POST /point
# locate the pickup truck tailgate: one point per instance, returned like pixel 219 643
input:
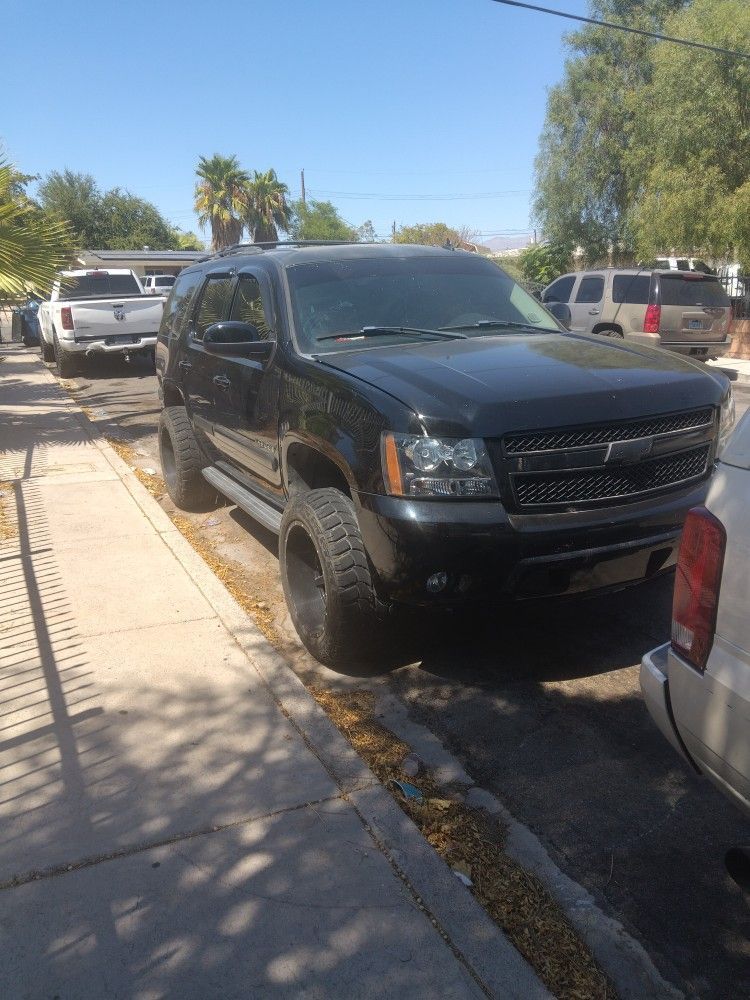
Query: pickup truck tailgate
pixel 116 317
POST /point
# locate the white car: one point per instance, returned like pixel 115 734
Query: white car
pixel 697 688
pixel 158 284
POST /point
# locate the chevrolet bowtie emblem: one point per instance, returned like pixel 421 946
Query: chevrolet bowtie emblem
pixel 628 452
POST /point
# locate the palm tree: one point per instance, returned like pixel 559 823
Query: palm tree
pixel 220 196
pixel 33 246
pixel 266 210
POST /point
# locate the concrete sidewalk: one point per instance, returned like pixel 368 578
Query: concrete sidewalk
pixel 177 815
pixel 738 369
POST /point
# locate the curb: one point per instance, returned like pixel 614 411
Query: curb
pixel 476 941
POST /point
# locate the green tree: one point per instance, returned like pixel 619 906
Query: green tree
pixel 33 247
pixel 188 241
pixel 689 155
pixel 221 198
pixel 584 190
pixel 318 220
pixel 366 232
pixel 543 262
pixel 435 234
pixel 129 223
pixel 266 208
pixel 74 197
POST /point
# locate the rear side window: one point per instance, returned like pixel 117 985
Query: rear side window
pixel 559 291
pixel 164 282
pixel 632 289
pixel 591 289
pixel 177 305
pixel 99 285
pixel 248 306
pixel 681 290
pixel 214 306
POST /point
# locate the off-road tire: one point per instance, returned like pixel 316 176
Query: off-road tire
pixel 610 332
pixel 343 629
pixel 67 363
pixel 182 461
pixel 48 351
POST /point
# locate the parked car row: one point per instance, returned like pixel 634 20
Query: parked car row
pixel 685 311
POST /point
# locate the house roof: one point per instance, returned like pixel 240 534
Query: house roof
pixel 179 256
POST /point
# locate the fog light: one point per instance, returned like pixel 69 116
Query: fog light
pixel 437 582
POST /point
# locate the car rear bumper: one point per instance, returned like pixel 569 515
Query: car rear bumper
pixel 488 554
pixel 699 348
pixel 655 691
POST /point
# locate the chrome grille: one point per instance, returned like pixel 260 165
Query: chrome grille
pixel 618 484
pixel 520 444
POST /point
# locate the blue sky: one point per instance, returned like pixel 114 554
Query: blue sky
pixel 400 110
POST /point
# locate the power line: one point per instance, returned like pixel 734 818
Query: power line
pixel 623 27
pixel 374 196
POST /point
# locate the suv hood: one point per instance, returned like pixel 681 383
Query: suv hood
pixel 490 385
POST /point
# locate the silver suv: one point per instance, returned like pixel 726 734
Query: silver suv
pixel 684 311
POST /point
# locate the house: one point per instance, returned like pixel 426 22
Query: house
pixel 143 262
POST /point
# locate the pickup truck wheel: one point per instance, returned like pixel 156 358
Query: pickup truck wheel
pixel 326 578
pixel 181 461
pixel 48 351
pixel 66 362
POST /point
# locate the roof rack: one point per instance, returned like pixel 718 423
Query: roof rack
pixel 273 245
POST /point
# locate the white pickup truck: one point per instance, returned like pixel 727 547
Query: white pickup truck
pixel 102 311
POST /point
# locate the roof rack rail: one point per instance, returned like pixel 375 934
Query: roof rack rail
pixel 273 245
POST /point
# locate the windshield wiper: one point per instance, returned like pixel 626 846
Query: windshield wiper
pixel 494 324
pixel 384 331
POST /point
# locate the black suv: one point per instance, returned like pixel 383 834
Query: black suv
pixel 416 428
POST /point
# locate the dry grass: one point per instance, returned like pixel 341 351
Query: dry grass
pixel 8 526
pixel 471 842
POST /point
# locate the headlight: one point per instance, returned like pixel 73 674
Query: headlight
pixel 415 466
pixel 726 421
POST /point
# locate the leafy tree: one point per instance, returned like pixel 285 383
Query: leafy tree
pixel 129 223
pixel 543 262
pixel 318 220
pixel 434 234
pixel 689 156
pixel 266 209
pixel 74 197
pixel 188 241
pixel 33 247
pixel 583 189
pixel 220 198
pixel 366 232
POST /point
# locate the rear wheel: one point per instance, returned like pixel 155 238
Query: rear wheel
pixel 610 332
pixel 67 365
pixel 326 578
pixel 181 461
pixel 48 351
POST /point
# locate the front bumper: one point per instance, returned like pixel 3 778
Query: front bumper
pixel 488 553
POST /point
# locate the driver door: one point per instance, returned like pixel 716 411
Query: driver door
pixel 246 390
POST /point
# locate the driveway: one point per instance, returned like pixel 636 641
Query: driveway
pixel 542 707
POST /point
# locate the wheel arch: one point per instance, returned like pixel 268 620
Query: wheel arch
pixel 598 327
pixel 308 467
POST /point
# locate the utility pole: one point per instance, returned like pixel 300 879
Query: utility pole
pixel 302 178
pixel 393 232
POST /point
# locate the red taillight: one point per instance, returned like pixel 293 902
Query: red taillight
pixel 696 588
pixel 66 317
pixel 652 320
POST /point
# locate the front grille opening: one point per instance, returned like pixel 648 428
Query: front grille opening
pixel 540 441
pixel 536 490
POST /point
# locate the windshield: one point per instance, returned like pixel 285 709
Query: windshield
pixel 426 293
pixel 102 285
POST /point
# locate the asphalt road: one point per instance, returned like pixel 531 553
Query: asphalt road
pixel 542 707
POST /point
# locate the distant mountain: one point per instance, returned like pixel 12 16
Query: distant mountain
pixel 507 242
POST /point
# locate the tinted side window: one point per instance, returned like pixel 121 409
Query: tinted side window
pixel 248 306
pixel 631 288
pixel 178 304
pixel 590 290
pixel 681 290
pixel 164 282
pixel 559 291
pixel 217 294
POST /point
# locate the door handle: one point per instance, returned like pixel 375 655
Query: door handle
pixel 185 365
pixel 593 312
pixel 222 381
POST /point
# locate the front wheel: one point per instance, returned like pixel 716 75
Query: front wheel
pixel 326 578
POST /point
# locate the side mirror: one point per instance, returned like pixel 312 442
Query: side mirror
pixel 233 338
pixel 561 312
